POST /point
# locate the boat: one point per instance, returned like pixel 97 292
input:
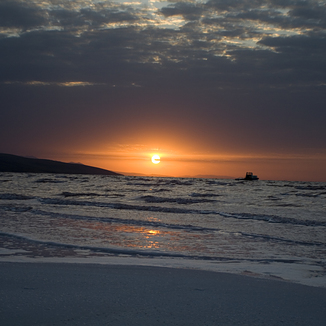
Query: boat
pixel 249 176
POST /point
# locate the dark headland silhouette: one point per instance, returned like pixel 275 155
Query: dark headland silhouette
pixel 14 163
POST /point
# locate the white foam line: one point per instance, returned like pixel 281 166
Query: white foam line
pixel 309 275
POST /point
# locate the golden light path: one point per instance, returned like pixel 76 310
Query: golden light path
pixel 155 159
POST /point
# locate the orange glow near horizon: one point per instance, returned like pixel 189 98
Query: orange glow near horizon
pixel 137 160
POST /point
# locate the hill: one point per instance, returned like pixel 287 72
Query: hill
pixel 14 163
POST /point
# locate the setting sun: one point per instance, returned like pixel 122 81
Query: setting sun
pixel 155 159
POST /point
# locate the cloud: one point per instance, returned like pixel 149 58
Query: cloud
pixel 21 15
pixel 90 18
pixel 233 49
pixel 65 84
pixel 189 11
pixel 220 73
pixel 226 5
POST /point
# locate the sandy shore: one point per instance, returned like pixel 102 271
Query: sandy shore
pixel 76 294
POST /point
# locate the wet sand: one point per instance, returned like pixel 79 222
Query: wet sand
pixel 77 294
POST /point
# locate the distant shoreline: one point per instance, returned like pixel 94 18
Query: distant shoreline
pixel 20 164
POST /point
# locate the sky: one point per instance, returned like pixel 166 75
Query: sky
pixel 217 87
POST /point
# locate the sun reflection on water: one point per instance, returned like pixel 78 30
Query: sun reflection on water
pixel 101 234
pixel 133 236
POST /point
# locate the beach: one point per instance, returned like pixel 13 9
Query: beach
pixel 93 294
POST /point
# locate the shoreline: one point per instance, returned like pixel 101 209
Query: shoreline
pixel 291 271
pixel 94 294
pixel 20 249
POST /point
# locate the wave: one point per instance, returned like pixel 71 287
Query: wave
pixel 136 253
pixel 307 195
pixel 88 194
pixel 53 201
pixel 184 227
pixel 195 194
pixel 146 223
pixel 161 190
pixel 302 186
pixel 183 201
pixel 310 187
pixel 15 208
pixel 80 194
pixel 48 180
pixel 176 210
pixel 273 219
pixel 15 197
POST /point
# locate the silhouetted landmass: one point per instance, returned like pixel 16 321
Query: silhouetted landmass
pixel 14 163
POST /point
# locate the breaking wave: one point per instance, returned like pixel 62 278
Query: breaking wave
pixel 242 216
pixel 183 201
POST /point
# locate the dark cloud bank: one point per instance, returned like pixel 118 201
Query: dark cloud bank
pixel 233 74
